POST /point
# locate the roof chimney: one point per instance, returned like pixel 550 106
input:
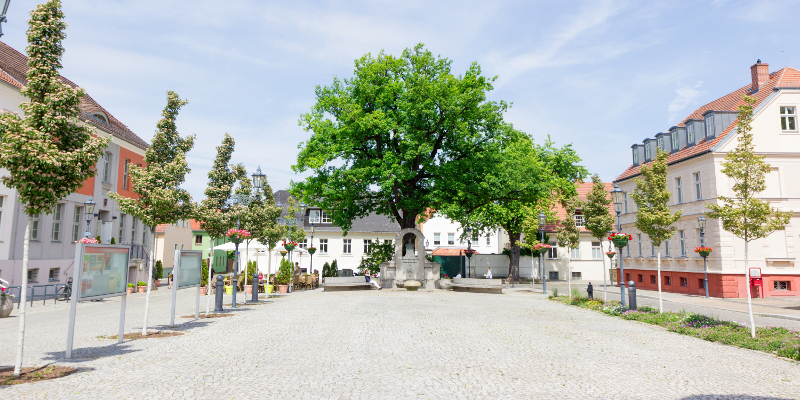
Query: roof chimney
pixel 760 74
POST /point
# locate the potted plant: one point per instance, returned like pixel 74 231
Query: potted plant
pixel 312 250
pixel 290 245
pixel 620 239
pixel 204 278
pixel 141 286
pixel 610 254
pixel 283 253
pixel 159 272
pixel 238 235
pixel 130 288
pixel 703 251
pixel 6 303
pixel 284 276
pixel 88 240
pixel 469 252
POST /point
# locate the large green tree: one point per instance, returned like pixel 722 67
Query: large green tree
pixel 569 233
pixel 599 220
pixel 398 137
pixel 745 215
pixel 161 199
pixel 654 216
pixel 48 153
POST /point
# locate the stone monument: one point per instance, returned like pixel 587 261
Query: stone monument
pixel 411 266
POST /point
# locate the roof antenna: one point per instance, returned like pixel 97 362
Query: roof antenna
pixel 3 16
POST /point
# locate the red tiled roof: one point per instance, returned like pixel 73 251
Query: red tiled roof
pixel 195 225
pixel 583 190
pixel 13 70
pixel 161 228
pixel 785 78
pixel 449 252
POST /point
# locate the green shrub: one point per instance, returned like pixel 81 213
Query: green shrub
pixel 140 283
pixel 555 292
pixel 575 292
pixel 284 272
pixel 204 274
pixel 130 285
pixel 113 241
pixel 159 270
pixel 593 304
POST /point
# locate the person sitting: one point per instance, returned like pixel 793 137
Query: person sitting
pixel 459 275
pixel 488 274
pixel 372 282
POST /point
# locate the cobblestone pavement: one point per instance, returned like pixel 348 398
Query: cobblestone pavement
pixel 388 345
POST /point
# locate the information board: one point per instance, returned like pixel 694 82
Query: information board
pixel 104 272
pixel 190 268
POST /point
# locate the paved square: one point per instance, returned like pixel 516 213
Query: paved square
pixel 392 344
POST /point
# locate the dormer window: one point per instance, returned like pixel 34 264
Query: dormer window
pixel 788 119
pixel 647 151
pixel 675 141
pixel 690 133
pixel 710 126
pixel 100 117
pixel 635 156
pixel 661 142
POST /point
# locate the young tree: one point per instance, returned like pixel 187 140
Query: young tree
pixel 569 233
pixel 398 138
pixel 379 252
pixel 212 211
pixel 259 216
pixel 48 153
pixel 653 216
pixel 744 215
pixel 599 220
pixel 273 232
pixel 161 199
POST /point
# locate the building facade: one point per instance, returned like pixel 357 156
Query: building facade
pixel 171 237
pixel 697 146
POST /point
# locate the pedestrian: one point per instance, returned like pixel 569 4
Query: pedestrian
pixel 170 281
pixel 590 291
pixel 488 274
pixel 372 282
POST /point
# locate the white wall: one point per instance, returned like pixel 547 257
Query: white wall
pixel 444 226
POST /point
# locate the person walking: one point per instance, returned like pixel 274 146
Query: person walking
pixel 590 291
pixel 488 274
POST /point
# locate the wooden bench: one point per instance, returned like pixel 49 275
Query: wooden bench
pixel 477 285
pixel 338 284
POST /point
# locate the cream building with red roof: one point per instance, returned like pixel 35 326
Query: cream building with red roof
pixel 697 146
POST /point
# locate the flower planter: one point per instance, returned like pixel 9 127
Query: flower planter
pixel 156 283
pixel 288 247
pixel 248 289
pixel 269 289
pixel 6 306
pixel 203 290
pixel 704 254
pixel 283 289
pixel 141 289
pixel 228 289
pixel 130 289
pixel 610 254
pixel 620 241
pixel 312 250
pixel 469 253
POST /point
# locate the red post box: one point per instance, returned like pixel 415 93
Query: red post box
pixel 755 277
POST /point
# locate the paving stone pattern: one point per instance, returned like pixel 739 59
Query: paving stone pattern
pixel 391 344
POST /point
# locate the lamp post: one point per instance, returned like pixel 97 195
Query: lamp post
pixel 468 231
pixel 88 212
pixel 542 222
pixel 245 200
pixel 617 197
pixel 702 222
pixel 312 254
pixel 3 16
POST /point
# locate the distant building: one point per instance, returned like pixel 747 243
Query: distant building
pixel 171 237
pixel 201 241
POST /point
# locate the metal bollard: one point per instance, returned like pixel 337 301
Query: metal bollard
pixel 220 290
pixel 632 294
pixel 255 289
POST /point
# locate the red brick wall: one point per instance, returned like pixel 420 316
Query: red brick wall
pixel 725 286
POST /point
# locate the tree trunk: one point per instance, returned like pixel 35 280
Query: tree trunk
pixel 658 263
pixel 23 294
pixel 749 295
pixel 569 272
pixel 513 259
pixel 210 268
pixel 149 282
pixel 603 256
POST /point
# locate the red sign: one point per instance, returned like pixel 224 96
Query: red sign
pixel 756 282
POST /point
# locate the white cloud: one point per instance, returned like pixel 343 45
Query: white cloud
pixel 684 96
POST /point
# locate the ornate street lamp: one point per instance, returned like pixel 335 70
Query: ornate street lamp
pixel 88 212
pixel 468 253
pixel 542 222
pixel 702 222
pixel 245 200
pixel 312 250
pixel 258 179
pixel 3 16
pixel 617 197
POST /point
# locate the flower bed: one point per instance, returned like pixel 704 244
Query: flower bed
pixel 775 340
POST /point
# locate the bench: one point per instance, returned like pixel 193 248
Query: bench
pixel 338 284
pixel 477 285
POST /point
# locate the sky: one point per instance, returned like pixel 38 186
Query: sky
pixel 601 75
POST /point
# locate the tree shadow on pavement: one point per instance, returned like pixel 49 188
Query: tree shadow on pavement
pixel 732 396
pixel 184 326
pixel 91 353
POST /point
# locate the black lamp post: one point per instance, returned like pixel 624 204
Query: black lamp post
pixel 542 222
pixel 245 200
pixel 468 231
pixel 618 200
pixel 3 16
pixel 312 251
pixel 702 222
pixel 88 212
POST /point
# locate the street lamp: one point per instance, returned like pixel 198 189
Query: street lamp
pixel 542 222
pixel 702 222
pixel 88 211
pixel 468 231
pixel 617 197
pixel 313 228
pixel 3 16
pixel 245 200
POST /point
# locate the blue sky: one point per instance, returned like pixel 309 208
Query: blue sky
pixel 599 74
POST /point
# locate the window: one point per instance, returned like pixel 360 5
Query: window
pixel 367 245
pixel 474 238
pixel 575 253
pixel 553 275
pixel 181 246
pixel 578 220
pixel 121 232
pixel 303 244
pixel 451 239
pixel 653 279
pixel 710 126
pixel 176 248
pixel 627 251
pixel 788 117
pixel 107 168
pixel 437 239
pixel 639 239
pixel 690 133
pixel 144 236
pixel 198 239
pixel 347 246
pixel 635 156
pixel 682 242
pixel 701 283
pixel 53 276
pixel 652 249
pixel 35 227
pixel 667 280
pixel 597 251
pixel 678 190
pixel 552 252
pixel 675 141
pixel 780 285
pixel 133 229
pixel 125 174
pixel 57 211
pixel 646 151
pixel 625 200
pixel 76 224
pixel 33 275
pixel 576 275
pixel 488 240
pixel 684 282
pixel 666 248
pixel 323 246
pixel 325 218
pixel 661 142
pixel 627 277
pixel 698 187
pixel 313 215
pixel 641 278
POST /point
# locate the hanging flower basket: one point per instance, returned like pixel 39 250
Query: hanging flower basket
pixel 620 239
pixel 283 253
pixel 88 240
pixel 312 250
pixel 237 235
pixel 703 251
pixel 610 254
pixel 289 246
pixel 469 253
